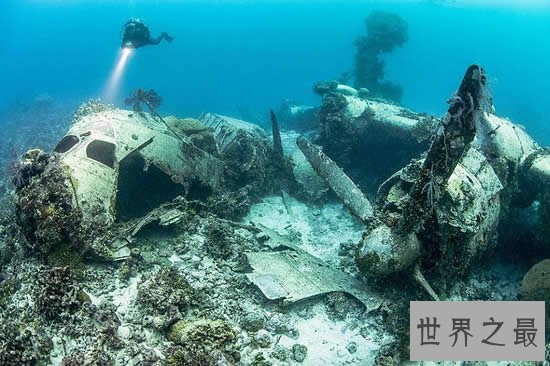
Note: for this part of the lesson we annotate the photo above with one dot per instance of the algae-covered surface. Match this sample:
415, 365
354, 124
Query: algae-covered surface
299, 174
265, 275
196, 272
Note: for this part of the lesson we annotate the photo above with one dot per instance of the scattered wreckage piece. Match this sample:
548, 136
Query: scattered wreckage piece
167, 214
278, 154
229, 130
293, 275
282, 166
418, 276
337, 180
244, 148
310, 186
273, 239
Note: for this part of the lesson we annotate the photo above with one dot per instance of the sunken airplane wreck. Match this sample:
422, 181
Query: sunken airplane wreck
114, 165
115, 162
445, 188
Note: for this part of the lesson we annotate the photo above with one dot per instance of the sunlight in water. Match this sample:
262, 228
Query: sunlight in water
114, 80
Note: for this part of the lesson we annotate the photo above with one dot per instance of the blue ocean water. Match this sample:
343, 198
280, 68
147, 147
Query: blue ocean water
233, 55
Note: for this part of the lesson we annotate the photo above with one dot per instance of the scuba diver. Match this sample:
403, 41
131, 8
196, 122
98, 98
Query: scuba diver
136, 34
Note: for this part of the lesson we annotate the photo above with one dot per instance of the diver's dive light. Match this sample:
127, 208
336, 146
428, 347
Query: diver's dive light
133, 34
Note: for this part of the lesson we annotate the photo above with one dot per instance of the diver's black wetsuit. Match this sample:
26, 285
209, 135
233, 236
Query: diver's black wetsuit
136, 35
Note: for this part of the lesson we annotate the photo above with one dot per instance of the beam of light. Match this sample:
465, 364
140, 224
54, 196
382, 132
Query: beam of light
114, 80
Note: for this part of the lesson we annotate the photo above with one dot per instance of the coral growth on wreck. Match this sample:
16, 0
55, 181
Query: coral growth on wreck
22, 345
247, 161
218, 239
57, 293
166, 291
45, 209
46, 212
203, 342
90, 107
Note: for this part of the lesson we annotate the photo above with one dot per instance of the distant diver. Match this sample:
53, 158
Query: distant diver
136, 34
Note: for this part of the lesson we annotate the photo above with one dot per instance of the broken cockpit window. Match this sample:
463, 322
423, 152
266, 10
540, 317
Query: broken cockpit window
66, 144
102, 151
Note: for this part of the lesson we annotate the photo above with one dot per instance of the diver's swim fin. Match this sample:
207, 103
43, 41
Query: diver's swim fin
167, 37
